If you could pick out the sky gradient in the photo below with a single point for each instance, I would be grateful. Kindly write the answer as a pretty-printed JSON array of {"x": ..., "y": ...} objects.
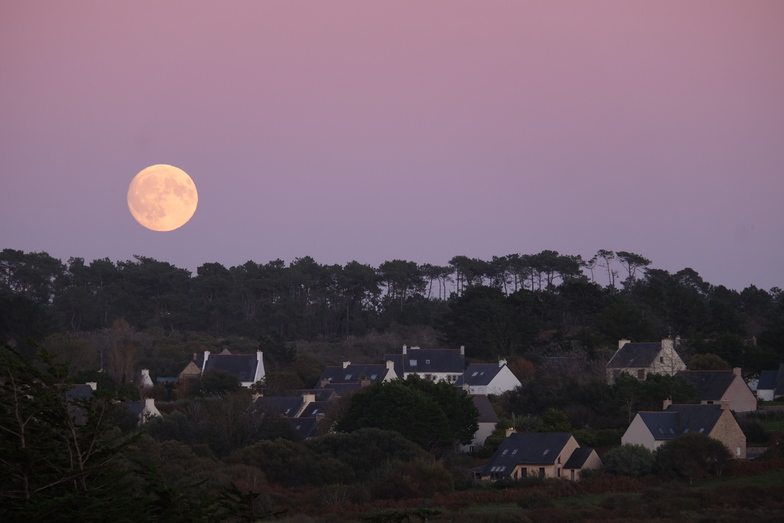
[{"x": 373, "y": 131}]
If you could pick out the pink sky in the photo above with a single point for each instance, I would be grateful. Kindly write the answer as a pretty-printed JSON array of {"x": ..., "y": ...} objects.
[{"x": 371, "y": 131}]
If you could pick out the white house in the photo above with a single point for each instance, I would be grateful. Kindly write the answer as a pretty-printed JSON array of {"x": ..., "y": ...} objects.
[{"x": 488, "y": 378}]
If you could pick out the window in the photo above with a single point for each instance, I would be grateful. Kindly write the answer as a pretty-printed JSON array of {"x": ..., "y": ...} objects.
[
  {"x": 558, "y": 472},
  {"x": 523, "y": 472},
  {"x": 541, "y": 472},
  {"x": 348, "y": 376},
  {"x": 413, "y": 363},
  {"x": 474, "y": 374},
  {"x": 373, "y": 376},
  {"x": 641, "y": 374},
  {"x": 514, "y": 452},
  {"x": 504, "y": 452},
  {"x": 737, "y": 451},
  {"x": 545, "y": 452}
]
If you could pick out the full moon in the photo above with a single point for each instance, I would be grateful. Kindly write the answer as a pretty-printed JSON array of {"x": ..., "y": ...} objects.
[{"x": 162, "y": 197}]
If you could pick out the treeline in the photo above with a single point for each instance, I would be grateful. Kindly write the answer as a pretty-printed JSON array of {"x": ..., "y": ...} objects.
[{"x": 511, "y": 305}]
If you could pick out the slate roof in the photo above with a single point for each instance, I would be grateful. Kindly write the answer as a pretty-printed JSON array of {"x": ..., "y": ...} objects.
[
  {"x": 710, "y": 384},
  {"x": 479, "y": 374},
  {"x": 486, "y": 411},
  {"x": 80, "y": 392},
  {"x": 578, "y": 458},
  {"x": 681, "y": 419},
  {"x": 314, "y": 409},
  {"x": 526, "y": 448},
  {"x": 767, "y": 380},
  {"x": 424, "y": 361},
  {"x": 353, "y": 373},
  {"x": 286, "y": 405},
  {"x": 342, "y": 389},
  {"x": 241, "y": 365},
  {"x": 325, "y": 394},
  {"x": 633, "y": 355},
  {"x": 306, "y": 427}
]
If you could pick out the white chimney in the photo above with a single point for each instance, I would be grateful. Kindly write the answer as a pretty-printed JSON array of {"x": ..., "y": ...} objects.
[
  {"x": 462, "y": 350},
  {"x": 93, "y": 384},
  {"x": 260, "y": 372},
  {"x": 404, "y": 349},
  {"x": 666, "y": 403},
  {"x": 146, "y": 379},
  {"x": 206, "y": 357},
  {"x": 736, "y": 371},
  {"x": 501, "y": 363},
  {"x": 346, "y": 364},
  {"x": 622, "y": 342}
]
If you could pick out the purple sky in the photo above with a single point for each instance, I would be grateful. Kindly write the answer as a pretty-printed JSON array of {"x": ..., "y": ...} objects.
[{"x": 412, "y": 130}]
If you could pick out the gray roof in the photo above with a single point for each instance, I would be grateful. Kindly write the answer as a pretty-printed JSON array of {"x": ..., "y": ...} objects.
[
  {"x": 634, "y": 355},
  {"x": 342, "y": 389},
  {"x": 81, "y": 392},
  {"x": 423, "y": 361},
  {"x": 286, "y": 405},
  {"x": 241, "y": 365},
  {"x": 767, "y": 380},
  {"x": 353, "y": 373},
  {"x": 306, "y": 427},
  {"x": 710, "y": 384},
  {"x": 578, "y": 458},
  {"x": 315, "y": 408},
  {"x": 526, "y": 448},
  {"x": 487, "y": 413},
  {"x": 478, "y": 374},
  {"x": 681, "y": 419}
]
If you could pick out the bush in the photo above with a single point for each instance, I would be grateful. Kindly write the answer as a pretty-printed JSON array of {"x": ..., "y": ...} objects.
[
  {"x": 535, "y": 499},
  {"x": 628, "y": 460},
  {"x": 692, "y": 455}
]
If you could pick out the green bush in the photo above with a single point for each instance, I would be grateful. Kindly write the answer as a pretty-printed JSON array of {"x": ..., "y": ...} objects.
[
  {"x": 628, "y": 460},
  {"x": 535, "y": 499}
]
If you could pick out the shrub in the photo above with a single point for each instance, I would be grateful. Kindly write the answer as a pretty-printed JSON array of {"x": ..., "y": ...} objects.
[
  {"x": 535, "y": 499},
  {"x": 628, "y": 460}
]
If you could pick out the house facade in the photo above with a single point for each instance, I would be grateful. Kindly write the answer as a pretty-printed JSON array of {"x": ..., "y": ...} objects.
[
  {"x": 641, "y": 359},
  {"x": 430, "y": 364},
  {"x": 486, "y": 421},
  {"x": 543, "y": 455},
  {"x": 248, "y": 368},
  {"x": 653, "y": 429},
  {"x": 488, "y": 378},
  {"x": 717, "y": 386}
]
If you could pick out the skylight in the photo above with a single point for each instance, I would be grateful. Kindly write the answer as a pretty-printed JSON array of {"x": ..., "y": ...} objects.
[
  {"x": 474, "y": 374},
  {"x": 413, "y": 363},
  {"x": 545, "y": 452},
  {"x": 373, "y": 376},
  {"x": 348, "y": 376}
]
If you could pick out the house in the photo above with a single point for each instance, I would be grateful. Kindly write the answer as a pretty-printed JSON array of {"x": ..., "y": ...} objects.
[
  {"x": 351, "y": 373},
  {"x": 304, "y": 412},
  {"x": 641, "y": 359},
  {"x": 715, "y": 386},
  {"x": 248, "y": 368},
  {"x": 653, "y": 429},
  {"x": 543, "y": 454},
  {"x": 79, "y": 392},
  {"x": 488, "y": 378},
  {"x": 771, "y": 384},
  {"x": 430, "y": 364},
  {"x": 487, "y": 422}
]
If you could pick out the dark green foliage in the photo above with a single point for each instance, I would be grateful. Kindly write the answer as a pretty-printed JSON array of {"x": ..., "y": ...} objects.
[
  {"x": 58, "y": 458},
  {"x": 628, "y": 460},
  {"x": 708, "y": 361},
  {"x": 692, "y": 455},
  {"x": 366, "y": 450},
  {"x": 434, "y": 415},
  {"x": 218, "y": 382},
  {"x": 535, "y": 499}
]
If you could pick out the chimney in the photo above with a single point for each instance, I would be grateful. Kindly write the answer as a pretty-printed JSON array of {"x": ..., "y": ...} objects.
[
  {"x": 666, "y": 403},
  {"x": 404, "y": 349},
  {"x": 462, "y": 350},
  {"x": 736, "y": 371},
  {"x": 346, "y": 364},
  {"x": 364, "y": 383},
  {"x": 194, "y": 356},
  {"x": 725, "y": 404},
  {"x": 510, "y": 431},
  {"x": 622, "y": 342},
  {"x": 501, "y": 363},
  {"x": 146, "y": 379},
  {"x": 93, "y": 384},
  {"x": 206, "y": 357},
  {"x": 390, "y": 365}
]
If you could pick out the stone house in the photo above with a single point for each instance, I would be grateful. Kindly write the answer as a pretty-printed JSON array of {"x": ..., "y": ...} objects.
[
  {"x": 653, "y": 429},
  {"x": 641, "y": 359},
  {"x": 717, "y": 386}
]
